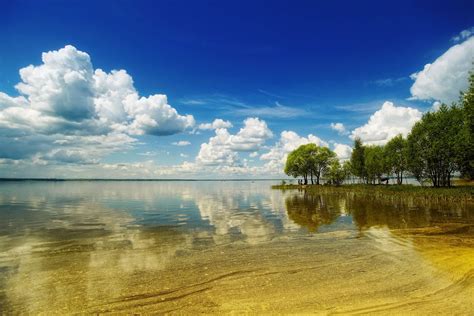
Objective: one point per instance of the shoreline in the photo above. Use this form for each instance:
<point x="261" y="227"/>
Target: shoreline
<point x="463" y="193"/>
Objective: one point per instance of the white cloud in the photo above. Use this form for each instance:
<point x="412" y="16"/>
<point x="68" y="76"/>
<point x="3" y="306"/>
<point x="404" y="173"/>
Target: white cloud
<point x="279" y="111"/>
<point x="181" y="143"/>
<point x="463" y="34"/>
<point x="339" y="127"/>
<point x="153" y="115"/>
<point x="112" y="89"/>
<point x="252" y="136"/>
<point x="217" y="150"/>
<point x="289" y="141"/>
<point x="436" y="105"/>
<point x="389" y="82"/>
<point x="342" y="151"/>
<point x="443" y="79"/>
<point x="222" y="148"/>
<point x="217" y="123"/>
<point x="62" y="86"/>
<point x="7" y="101"/>
<point x="69" y="113"/>
<point x="387" y="123"/>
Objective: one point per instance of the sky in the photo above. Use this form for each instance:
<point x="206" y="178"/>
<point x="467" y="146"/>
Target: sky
<point x="217" y="89"/>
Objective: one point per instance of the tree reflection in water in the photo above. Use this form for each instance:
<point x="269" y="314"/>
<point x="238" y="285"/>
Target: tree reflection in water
<point x="311" y="211"/>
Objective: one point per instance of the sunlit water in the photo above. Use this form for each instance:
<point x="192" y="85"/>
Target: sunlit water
<point x="228" y="246"/>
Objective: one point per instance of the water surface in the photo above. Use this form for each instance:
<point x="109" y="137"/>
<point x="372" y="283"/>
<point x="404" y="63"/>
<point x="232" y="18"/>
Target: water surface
<point x="228" y="246"/>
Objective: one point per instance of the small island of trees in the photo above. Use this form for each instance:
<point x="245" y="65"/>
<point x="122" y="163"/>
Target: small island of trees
<point x="438" y="147"/>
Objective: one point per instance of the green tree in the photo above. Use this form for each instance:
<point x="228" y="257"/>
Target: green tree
<point x="433" y="145"/>
<point x="310" y="153"/>
<point x="296" y="165"/>
<point x="320" y="161"/>
<point x="358" y="160"/>
<point x="396" y="157"/>
<point x="465" y="142"/>
<point x="309" y="160"/>
<point x="347" y="169"/>
<point x="336" y="173"/>
<point x="374" y="163"/>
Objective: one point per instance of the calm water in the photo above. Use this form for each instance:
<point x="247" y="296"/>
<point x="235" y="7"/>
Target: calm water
<point x="228" y="247"/>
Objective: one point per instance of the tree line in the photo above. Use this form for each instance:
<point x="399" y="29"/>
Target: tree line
<point x="440" y="145"/>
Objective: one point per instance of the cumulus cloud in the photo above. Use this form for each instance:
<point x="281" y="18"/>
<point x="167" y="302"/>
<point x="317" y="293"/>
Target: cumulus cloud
<point x="443" y="79"/>
<point x="252" y="136"/>
<point x="217" y="123"/>
<point x="153" y="115"/>
<point x="339" y="127"/>
<point x="342" y="151"/>
<point x="387" y="123"/>
<point x="68" y="112"/>
<point x="62" y="86"/>
<point x="181" y="143"/>
<point x="289" y="141"/>
<point x="223" y="148"/>
<point x="217" y="150"/>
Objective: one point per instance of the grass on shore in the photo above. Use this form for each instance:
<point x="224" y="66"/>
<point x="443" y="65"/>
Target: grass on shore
<point x="463" y="193"/>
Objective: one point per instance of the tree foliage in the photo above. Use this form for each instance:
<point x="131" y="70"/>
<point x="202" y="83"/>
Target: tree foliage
<point x="396" y="157"/>
<point x="358" y="160"/>
<point x="434" y="145"/>
<point x="465" y="148"/>
<point x="337" y="173"/>
<point x="309" y="161"/>
<point x="374" y="163"/>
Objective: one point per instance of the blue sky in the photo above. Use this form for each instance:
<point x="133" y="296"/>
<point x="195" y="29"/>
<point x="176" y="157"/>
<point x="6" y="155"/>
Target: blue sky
<point x="280" y="66"/>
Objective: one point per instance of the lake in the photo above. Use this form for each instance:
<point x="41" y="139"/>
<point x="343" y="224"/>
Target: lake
<point x="228" y="246"/>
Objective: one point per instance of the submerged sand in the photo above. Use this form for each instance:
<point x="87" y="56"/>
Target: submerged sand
<point x="426" y="271"/>
<point x="229" y="247"/>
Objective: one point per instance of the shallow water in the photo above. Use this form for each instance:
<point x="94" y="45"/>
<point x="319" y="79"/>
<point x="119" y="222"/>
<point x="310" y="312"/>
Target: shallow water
<point x="234" y="246"/>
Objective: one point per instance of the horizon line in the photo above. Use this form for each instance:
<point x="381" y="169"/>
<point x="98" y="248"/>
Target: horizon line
<point x="139" y="179"/>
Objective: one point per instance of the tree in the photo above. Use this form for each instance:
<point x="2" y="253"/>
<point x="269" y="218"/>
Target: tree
<point x="320" y="160"/>
<point x="310" y="153"/>
<point x="396" y="157"/>
<point x="296" y="165"/>
<point x="465" y="144"/>
<point x="434" y="145"/>
<point x="337" y="173"/>
<point x="374" y="163"/>
<point x="309" y="160"/>
<point x="347" y="168"/>
<point x="358" y="160"/>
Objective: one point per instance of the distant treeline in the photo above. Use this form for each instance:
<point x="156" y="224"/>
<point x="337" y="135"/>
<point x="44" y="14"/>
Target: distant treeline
<point x="438" y="146"/>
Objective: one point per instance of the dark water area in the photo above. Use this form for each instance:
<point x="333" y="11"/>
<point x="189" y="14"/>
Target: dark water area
<point x="224" y="246"/>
